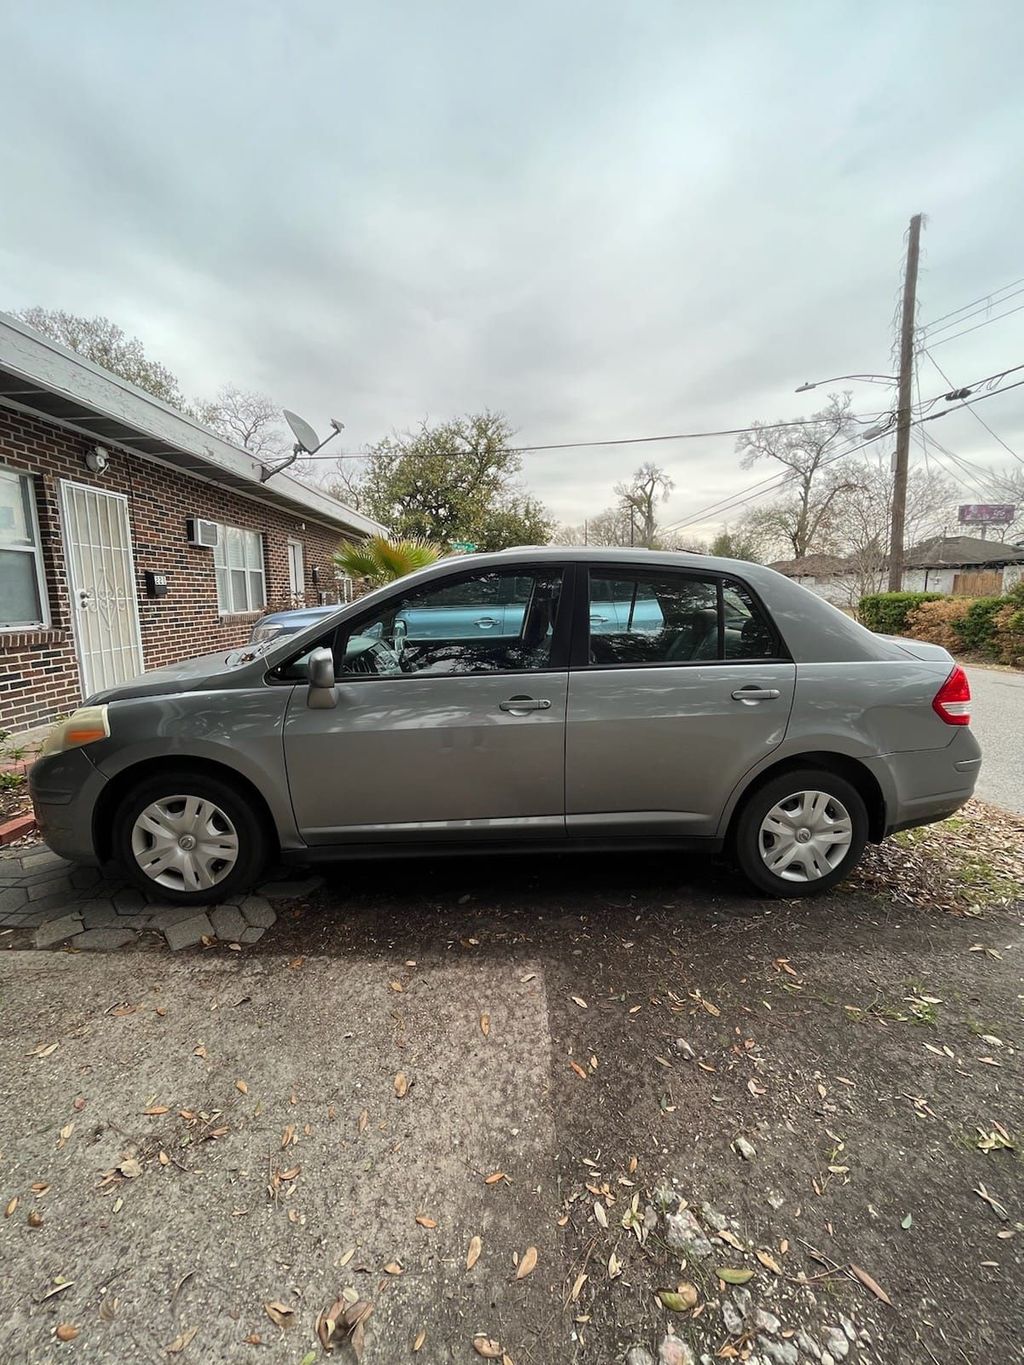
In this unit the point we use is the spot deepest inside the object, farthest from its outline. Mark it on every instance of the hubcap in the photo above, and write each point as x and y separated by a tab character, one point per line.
184	843
805	836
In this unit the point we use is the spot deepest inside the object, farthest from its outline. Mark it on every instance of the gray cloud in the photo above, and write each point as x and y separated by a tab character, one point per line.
604	219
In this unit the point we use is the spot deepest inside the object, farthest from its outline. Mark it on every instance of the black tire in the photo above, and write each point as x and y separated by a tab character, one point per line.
248	830
747	843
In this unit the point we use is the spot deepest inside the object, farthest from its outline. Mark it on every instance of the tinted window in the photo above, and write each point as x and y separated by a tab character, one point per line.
669	616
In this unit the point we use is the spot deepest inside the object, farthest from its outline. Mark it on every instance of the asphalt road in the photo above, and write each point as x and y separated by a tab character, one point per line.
997	718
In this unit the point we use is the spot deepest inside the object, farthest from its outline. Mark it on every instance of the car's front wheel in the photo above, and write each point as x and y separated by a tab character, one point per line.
188	839
801	832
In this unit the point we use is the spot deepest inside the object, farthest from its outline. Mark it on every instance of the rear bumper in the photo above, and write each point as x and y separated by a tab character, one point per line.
64	790
928	784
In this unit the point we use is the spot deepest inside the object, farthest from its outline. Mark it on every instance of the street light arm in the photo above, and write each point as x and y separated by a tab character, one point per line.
867	378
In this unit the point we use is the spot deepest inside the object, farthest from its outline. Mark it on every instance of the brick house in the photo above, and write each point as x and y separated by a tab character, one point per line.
131	536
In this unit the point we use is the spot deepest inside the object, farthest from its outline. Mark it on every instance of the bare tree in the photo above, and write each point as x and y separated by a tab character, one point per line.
246	418
865	518
805	515
649	485
107	345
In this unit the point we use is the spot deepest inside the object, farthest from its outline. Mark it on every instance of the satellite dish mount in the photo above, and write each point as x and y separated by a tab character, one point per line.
306	441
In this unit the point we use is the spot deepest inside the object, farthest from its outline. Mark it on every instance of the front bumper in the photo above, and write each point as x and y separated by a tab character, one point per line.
927	785
64	789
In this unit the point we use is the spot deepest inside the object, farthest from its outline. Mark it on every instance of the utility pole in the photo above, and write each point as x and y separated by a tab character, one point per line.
906	373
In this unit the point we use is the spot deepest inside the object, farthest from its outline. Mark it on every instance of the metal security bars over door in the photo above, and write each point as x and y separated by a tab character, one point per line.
101	576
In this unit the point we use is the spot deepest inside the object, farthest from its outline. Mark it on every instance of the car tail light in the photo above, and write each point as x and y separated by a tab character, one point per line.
952	702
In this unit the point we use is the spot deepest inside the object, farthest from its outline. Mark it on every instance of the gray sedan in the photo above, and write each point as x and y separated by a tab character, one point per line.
729	708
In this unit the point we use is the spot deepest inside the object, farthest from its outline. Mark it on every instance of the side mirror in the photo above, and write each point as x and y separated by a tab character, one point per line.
320	671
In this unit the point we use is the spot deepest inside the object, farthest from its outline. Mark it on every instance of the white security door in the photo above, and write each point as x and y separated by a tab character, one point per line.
101	575
296	571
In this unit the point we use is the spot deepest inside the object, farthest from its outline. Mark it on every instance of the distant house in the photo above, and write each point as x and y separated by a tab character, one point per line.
830	576
962	566
965	566
131	536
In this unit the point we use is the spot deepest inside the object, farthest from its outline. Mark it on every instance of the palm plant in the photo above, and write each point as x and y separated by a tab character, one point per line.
380	560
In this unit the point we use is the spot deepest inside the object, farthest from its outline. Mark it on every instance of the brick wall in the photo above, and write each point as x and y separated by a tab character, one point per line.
39	675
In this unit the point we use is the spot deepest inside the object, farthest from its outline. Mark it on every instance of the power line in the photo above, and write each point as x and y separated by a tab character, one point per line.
756	491
975	415
990	299
978	325
931	327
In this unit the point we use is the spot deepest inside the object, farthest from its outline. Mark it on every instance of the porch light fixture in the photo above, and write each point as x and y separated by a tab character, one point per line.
97	459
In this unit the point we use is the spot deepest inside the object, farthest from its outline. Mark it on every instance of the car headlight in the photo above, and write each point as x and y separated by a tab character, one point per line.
261	634
84	726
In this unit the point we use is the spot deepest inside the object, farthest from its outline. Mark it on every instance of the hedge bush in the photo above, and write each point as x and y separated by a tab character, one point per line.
886	612
992	627
939	622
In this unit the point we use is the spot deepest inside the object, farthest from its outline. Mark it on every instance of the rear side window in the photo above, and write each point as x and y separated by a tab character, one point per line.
666	616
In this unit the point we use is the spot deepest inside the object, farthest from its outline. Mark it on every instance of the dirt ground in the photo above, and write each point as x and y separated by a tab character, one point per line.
599	1035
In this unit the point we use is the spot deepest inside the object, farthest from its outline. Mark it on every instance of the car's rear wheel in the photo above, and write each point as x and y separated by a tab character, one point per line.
188	839
801	832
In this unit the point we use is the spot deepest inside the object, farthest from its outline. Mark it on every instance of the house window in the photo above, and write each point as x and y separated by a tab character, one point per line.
296	569
238	561
23	602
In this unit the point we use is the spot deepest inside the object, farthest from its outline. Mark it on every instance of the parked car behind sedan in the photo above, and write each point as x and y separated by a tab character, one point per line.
723	707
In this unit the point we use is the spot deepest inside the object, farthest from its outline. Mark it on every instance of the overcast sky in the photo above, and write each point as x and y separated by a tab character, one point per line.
606	220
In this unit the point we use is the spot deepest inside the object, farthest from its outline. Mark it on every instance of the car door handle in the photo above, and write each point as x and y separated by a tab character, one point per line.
598	620
518	706
756	694
485	622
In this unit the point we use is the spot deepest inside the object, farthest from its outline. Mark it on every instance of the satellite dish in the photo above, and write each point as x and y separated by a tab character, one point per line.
305	437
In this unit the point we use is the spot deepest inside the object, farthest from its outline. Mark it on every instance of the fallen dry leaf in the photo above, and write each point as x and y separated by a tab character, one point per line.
494	1177
580	1281
12	1204
396	985
241	1087
872	1284
486	1347
290	1173
578	1069
393	1268
66	1331
181	1341
732	1276
419	1339
528	1264
614	1268
288	1136
280	1313
34	1220
401	1084
473	1254
485	1024
600	1214
345	1257
426	1222
578	1000
155	1109
364	1119
199	1051
768	1261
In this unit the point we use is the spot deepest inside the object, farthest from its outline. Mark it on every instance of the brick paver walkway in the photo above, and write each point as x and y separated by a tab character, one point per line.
55	904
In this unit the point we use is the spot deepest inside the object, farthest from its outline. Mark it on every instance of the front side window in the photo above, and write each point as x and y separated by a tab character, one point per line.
23	603
238	564
664	616
477	623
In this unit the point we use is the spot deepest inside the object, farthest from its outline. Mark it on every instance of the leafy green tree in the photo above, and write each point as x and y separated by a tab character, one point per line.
380	560
741	543
107	345
451	481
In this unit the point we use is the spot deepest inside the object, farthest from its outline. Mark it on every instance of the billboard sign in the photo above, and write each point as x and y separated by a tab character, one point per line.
987	514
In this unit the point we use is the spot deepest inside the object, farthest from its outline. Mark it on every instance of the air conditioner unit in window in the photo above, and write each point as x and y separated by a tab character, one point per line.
205	533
